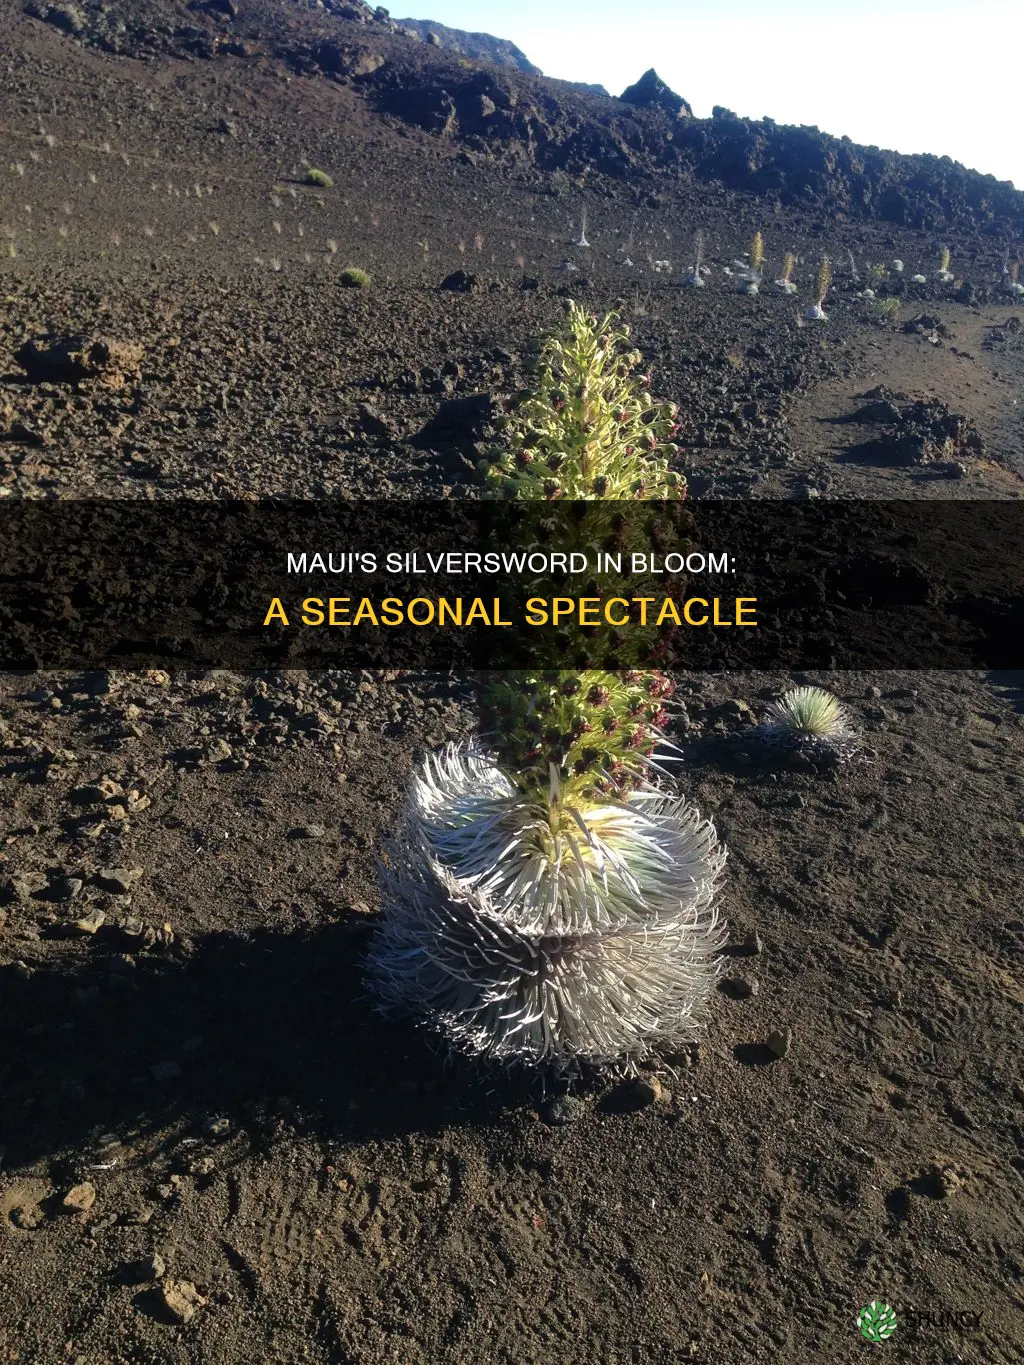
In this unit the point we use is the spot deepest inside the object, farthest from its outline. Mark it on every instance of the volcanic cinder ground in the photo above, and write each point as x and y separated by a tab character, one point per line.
212	1151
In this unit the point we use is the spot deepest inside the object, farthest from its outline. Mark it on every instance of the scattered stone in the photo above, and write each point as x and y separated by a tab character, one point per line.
779	1042
460	282
91	922
64	888
940	1180
26	884
80	1199
648	1090
751	945
94	793
156	1267
458	421
308	832
117	880
561	1110
217	1128
181	1299
55	359
371	422
742	988
629	1097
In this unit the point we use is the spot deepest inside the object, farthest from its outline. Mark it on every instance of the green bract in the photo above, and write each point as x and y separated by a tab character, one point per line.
597	730
590	428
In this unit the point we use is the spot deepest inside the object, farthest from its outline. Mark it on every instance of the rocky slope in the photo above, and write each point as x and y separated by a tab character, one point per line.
481	46
513	116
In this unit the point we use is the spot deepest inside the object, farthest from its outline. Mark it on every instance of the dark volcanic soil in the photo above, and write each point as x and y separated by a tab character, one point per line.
187	863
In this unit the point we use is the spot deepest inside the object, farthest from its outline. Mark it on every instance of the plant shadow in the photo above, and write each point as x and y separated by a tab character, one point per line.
262	1028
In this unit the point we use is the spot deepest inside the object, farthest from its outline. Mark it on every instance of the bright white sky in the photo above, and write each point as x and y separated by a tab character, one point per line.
941	76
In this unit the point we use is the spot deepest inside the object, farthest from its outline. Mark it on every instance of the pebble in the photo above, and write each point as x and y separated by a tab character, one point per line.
94	794
561	1110
779	1042
156	1267
752	945
309	832
742	987
80	1199
648	1090
118	880
217	1127
91	922
181	1299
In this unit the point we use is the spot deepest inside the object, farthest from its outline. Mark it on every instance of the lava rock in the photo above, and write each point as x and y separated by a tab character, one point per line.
651	91
56	359
181	1299
371	423
80	1198
561	1110
779	1041
460	282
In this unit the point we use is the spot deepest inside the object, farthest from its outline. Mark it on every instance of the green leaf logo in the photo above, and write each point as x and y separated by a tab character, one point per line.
877	1321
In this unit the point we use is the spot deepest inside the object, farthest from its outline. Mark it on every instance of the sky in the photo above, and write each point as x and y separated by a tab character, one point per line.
940	76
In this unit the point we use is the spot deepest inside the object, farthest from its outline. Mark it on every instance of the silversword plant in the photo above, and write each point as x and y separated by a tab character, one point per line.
816	312
785	281
811	723
545	902
750	279
539	928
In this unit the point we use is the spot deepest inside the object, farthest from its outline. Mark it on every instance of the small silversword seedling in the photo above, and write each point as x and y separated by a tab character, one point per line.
811	722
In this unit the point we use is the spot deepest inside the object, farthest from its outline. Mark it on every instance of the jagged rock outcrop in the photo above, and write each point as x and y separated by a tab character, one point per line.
651	92
480	46
503	113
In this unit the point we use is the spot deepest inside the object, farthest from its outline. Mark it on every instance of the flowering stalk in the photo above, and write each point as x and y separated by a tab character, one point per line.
590	428
545	902
816	312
